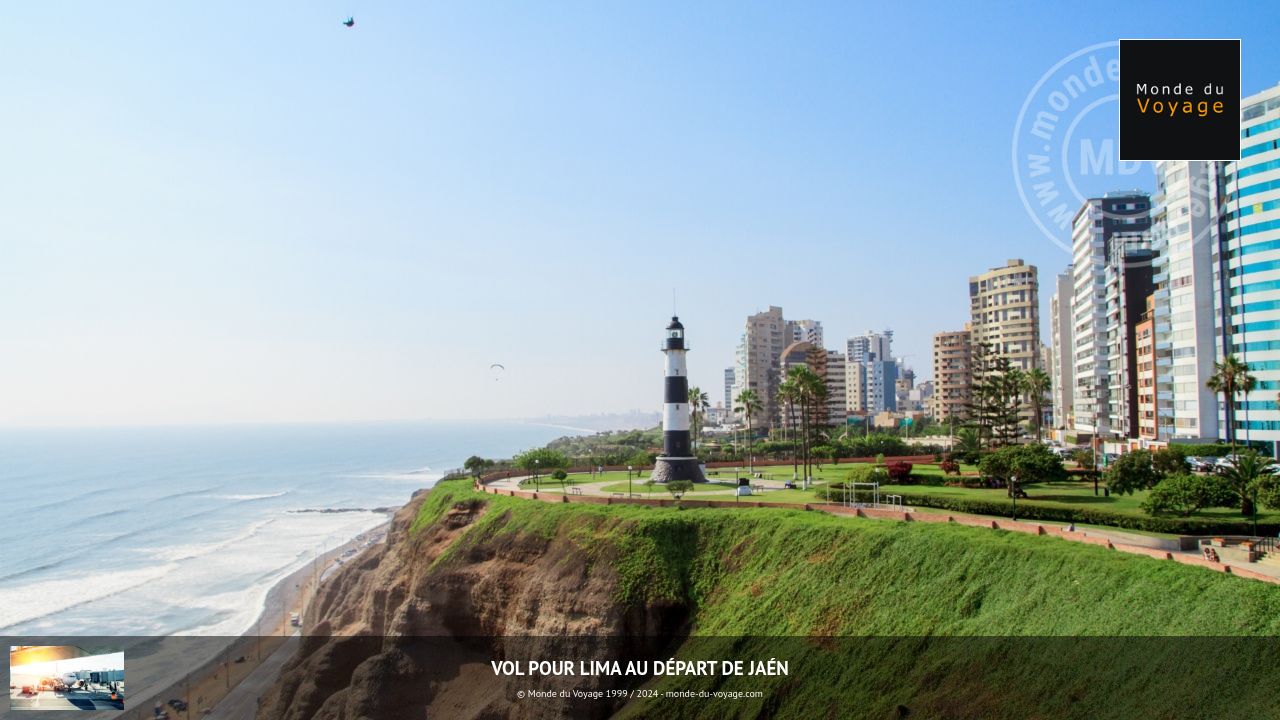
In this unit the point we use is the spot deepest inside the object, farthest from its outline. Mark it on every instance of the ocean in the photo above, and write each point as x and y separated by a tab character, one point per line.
163	531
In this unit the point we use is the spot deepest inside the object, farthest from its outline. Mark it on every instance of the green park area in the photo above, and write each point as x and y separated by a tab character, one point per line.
1070	500
889	614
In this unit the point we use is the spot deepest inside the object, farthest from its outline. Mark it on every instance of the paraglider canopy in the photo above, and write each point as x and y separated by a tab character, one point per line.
349	22
496	370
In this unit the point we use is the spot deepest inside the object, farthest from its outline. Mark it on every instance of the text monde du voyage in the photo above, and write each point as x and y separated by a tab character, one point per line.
1180	99
642	668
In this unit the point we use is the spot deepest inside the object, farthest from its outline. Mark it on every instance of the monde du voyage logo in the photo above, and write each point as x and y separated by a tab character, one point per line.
1179	100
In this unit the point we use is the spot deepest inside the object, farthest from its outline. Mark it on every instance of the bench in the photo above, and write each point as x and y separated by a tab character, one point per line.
619	495
575	490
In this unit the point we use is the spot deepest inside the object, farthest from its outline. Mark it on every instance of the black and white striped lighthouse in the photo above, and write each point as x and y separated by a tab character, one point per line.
677	461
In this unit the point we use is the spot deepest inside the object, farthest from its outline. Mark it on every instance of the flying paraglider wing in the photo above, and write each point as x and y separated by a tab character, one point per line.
349	22
497	366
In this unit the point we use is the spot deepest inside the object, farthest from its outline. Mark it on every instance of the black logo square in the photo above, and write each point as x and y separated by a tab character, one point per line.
1179	99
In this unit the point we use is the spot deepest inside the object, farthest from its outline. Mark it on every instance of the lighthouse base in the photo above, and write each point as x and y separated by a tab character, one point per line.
666	469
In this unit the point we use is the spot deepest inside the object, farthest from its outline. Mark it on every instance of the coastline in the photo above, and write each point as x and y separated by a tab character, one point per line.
219	674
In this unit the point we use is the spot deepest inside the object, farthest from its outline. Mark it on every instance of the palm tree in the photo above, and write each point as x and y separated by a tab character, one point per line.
1231	376
699	403
1036	384
811	391
1242	475
748	404
788	394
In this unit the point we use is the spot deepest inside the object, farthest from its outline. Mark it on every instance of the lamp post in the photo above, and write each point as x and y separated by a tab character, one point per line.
628	482
537	486
1013	488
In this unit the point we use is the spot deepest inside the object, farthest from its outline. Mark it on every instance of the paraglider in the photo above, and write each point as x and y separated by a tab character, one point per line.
349	22
497	369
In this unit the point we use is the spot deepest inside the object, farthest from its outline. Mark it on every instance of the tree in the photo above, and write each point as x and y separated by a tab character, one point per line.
541	460
788	394
995	398
1244	476
968	446
1183	493
678	488
1036	383
748	404
476	465
1231	376
811	392
560	476
699	404
1022	464
1130	472
1169	461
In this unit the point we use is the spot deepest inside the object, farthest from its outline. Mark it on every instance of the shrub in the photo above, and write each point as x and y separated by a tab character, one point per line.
559	475
865	473
1169	461
1028	511
1183	493
1131	471
1028	463
899	472
949	467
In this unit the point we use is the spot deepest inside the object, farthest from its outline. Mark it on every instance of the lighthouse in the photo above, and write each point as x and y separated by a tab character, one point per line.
677	461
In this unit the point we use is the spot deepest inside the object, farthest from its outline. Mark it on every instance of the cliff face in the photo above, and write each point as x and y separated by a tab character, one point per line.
410	627
872	617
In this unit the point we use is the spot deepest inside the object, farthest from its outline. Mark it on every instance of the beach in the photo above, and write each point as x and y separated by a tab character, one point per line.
223	666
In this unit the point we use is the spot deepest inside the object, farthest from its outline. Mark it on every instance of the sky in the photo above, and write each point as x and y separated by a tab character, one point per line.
246	212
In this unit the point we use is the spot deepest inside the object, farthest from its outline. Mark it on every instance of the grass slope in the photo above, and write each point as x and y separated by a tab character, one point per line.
758	575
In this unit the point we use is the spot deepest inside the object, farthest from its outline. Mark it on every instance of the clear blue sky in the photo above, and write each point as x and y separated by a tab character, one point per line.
218	212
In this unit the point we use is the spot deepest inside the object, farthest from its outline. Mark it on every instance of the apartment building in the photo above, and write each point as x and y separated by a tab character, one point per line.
1060	371
1093	227
1127	283
1184	235
1249	252
952	376
1004	313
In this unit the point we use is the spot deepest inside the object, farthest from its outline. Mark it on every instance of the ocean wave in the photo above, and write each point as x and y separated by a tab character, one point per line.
249	497
44	599
193	551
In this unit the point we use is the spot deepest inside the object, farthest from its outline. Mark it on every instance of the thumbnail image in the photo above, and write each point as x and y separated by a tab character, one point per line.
65	677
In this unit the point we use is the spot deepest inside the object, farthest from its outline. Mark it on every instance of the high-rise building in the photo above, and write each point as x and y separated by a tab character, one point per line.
1060	371
1249	249
1128	284
870	373
759	358
1184	235
902	388
1093	227
805	331
1145	345
1004	313
837	397
952	375
728	387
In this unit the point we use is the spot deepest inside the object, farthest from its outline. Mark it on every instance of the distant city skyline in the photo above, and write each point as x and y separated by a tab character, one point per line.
248	213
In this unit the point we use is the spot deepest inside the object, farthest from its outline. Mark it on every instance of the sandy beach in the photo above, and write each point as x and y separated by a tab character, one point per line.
205	685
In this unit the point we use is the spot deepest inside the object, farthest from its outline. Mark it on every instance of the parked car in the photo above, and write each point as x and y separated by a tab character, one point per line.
1201	464
177	704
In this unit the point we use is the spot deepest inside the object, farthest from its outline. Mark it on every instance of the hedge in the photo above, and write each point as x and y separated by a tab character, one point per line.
1169	525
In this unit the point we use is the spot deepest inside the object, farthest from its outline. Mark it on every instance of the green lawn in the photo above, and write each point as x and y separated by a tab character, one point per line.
1073	495
933	594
